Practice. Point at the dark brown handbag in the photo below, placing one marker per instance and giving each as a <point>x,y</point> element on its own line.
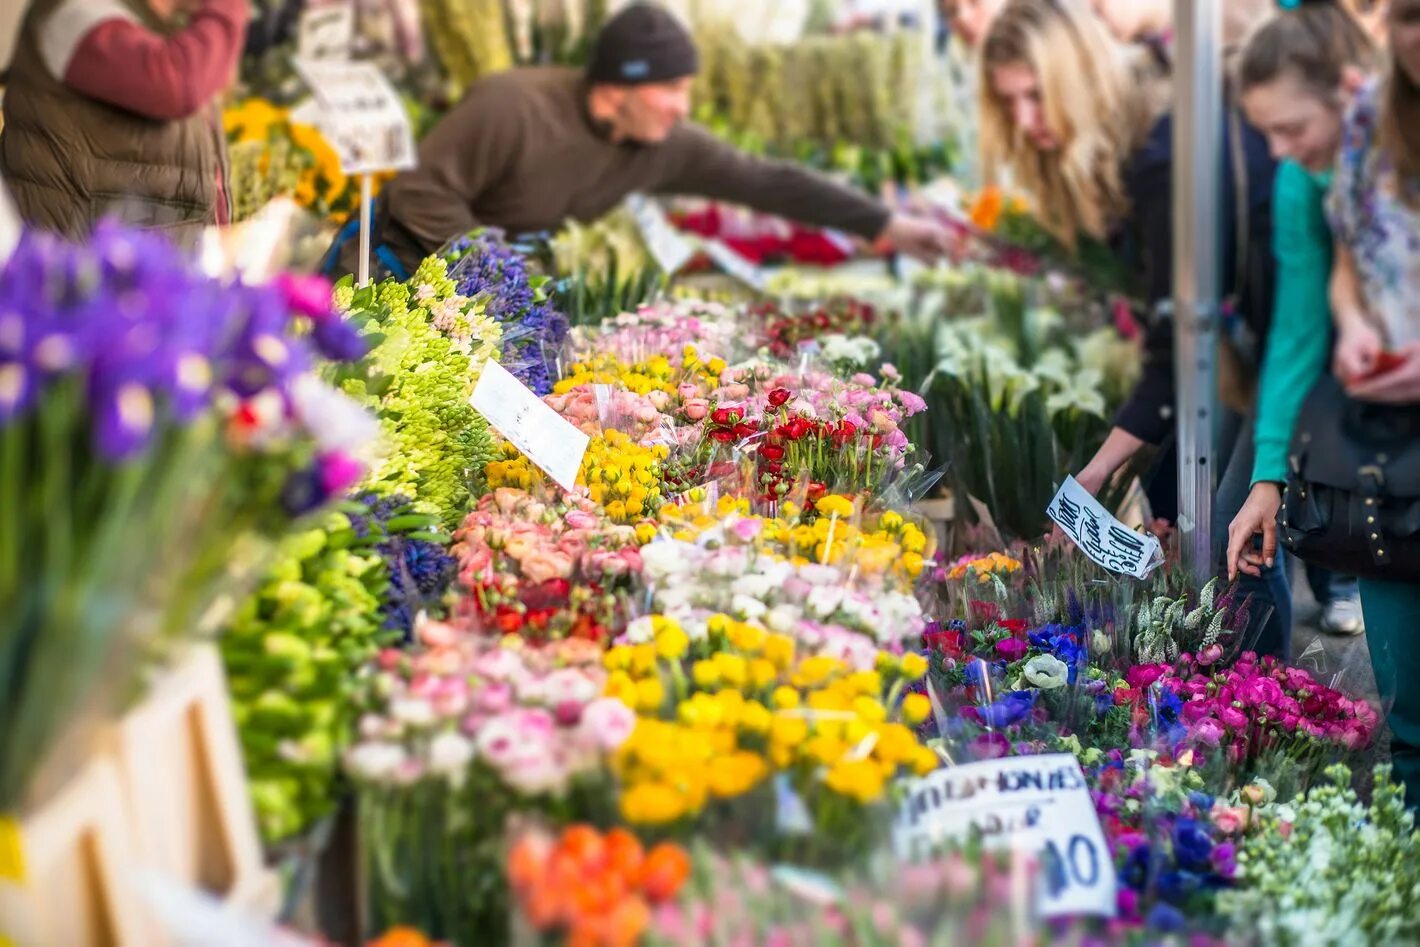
<point>1352,501</point>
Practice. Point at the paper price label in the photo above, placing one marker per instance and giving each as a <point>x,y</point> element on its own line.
<point>1037,805</point>
<point>361,115</point>
<point>544,436</point>
<point>671,250</point>
<point>736,265</point>
<point>326,32</point>
<point>1107,541</point>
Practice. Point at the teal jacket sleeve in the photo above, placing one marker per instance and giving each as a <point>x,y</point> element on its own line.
<point>1300,337</point>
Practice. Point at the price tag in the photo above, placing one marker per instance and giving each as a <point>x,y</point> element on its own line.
<point>361,115</point>
<point>671,250</point>
<point>10,224</point>
<point>326,32</point>
<point>1103,538</point>
<point>1038,805</point>
<point>544,436</point>
<point>736,265</point>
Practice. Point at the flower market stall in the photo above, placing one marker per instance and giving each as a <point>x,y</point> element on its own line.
<point>695,697</point>
<point>546,593</point>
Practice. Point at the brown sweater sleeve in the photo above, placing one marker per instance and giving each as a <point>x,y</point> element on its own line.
<point>701,164</point>
<point>463,158</point>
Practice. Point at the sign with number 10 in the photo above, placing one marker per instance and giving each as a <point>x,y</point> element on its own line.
<point>1039,805</point>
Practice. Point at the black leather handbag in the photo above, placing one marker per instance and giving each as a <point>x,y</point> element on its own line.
<point>1352,501</point>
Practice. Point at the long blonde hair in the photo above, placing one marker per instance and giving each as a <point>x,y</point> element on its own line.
<point>1096,102</point>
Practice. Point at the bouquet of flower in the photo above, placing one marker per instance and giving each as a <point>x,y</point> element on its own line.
<point>431,346</point>
<point>453,738</point>
<point>487,270</point>
<point>784,332</point>
<point>603,268</point>
<point>155,427</point>
<point>722,714</point>
<point>597,889</point>
<point>1330,869</point>
<point>540,569</point>
<point>335,595</point>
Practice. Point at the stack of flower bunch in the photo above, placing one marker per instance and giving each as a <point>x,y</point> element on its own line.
<point>273,156</point>
<point>544,569</point>
<point>431,346</point>
<point>784,332</point>
<point>1013,414</point>
<point>844,103</point>
<point>157,430</point>
<point>455,736</point>
<point>485,269</point>
<point>724,716</point>
<point>603,268</point>
<point>470,38</point>
<point>335,595</point>
<point>668,897</point>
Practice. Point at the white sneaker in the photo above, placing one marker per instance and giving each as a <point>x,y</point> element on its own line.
<point>1343,617</point>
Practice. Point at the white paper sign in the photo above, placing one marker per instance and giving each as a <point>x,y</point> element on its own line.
<point>1103,538</point>
<point>736,265</point>
<point>1038,805</point>
<point>544,436</point>
<point>360,115</point>
<point>326,32</point>
<point>671,250</point>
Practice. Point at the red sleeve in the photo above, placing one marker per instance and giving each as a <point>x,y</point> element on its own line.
<point>125,64</point>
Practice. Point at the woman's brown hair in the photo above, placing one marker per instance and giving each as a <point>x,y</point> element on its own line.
<point>1316,43</point>
<point>1399,132</point>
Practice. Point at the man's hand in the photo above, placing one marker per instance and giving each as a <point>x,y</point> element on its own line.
<point>1358,345</point>
<point>1258,515</point>
<point>919,238</point>
<point>1400,385</point>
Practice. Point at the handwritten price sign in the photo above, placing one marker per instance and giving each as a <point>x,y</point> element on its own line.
<point>361,115</point>
<point>1107,541</point>
<point>1039,805</point>
<point>543,435</point>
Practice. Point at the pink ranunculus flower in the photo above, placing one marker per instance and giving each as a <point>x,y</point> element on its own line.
<point>1012,649</point>
<point>1209,732</point>
<point>696,409</point>
<point>608,722</point>
<point>1233,718</point>
<point>1210,655</point>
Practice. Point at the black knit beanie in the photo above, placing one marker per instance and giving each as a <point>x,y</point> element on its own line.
<point>643,43</point>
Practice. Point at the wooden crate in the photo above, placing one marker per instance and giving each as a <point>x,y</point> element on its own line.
<point>164,795</point>
<point>71,865</point>
<point>185,786</point>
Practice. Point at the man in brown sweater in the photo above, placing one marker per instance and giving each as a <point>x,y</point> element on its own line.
<point>529,148</point>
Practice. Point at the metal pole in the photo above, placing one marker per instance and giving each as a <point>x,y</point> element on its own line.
<point>1197,267</point>
<point>366,200</point>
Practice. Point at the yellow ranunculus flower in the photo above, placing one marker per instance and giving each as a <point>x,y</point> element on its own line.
<point>762,673</point>
<point>785,697</point>
<point>650,694</point>
<point>835,504</point>
<point>825,750</point>
<point>788,731</point>
<point>672,643</point>
<point>860,780</point>
<point>652,804</point>
<point>779,650</point>
<point>924,761</point>
<point>915,708</point>
<point>869,709</point>
<point>913,665</point>
<point>736,774</point>
<point>706,674</point>
<point>756,718</point>
<point>733,668</point>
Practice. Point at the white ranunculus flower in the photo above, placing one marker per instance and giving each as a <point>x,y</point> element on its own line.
<point>374,761</point>
<point>449,754</point>
<point>747,607</point>
<point>413,711</point>
<point>824,601</point>
<point>783,619</point>
<point>640,631</point>
<point>662,559</point>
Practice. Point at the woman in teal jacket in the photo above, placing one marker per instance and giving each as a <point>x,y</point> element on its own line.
<point>1296,77</point>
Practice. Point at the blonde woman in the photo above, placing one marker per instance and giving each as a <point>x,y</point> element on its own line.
<point>1070,114</point>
